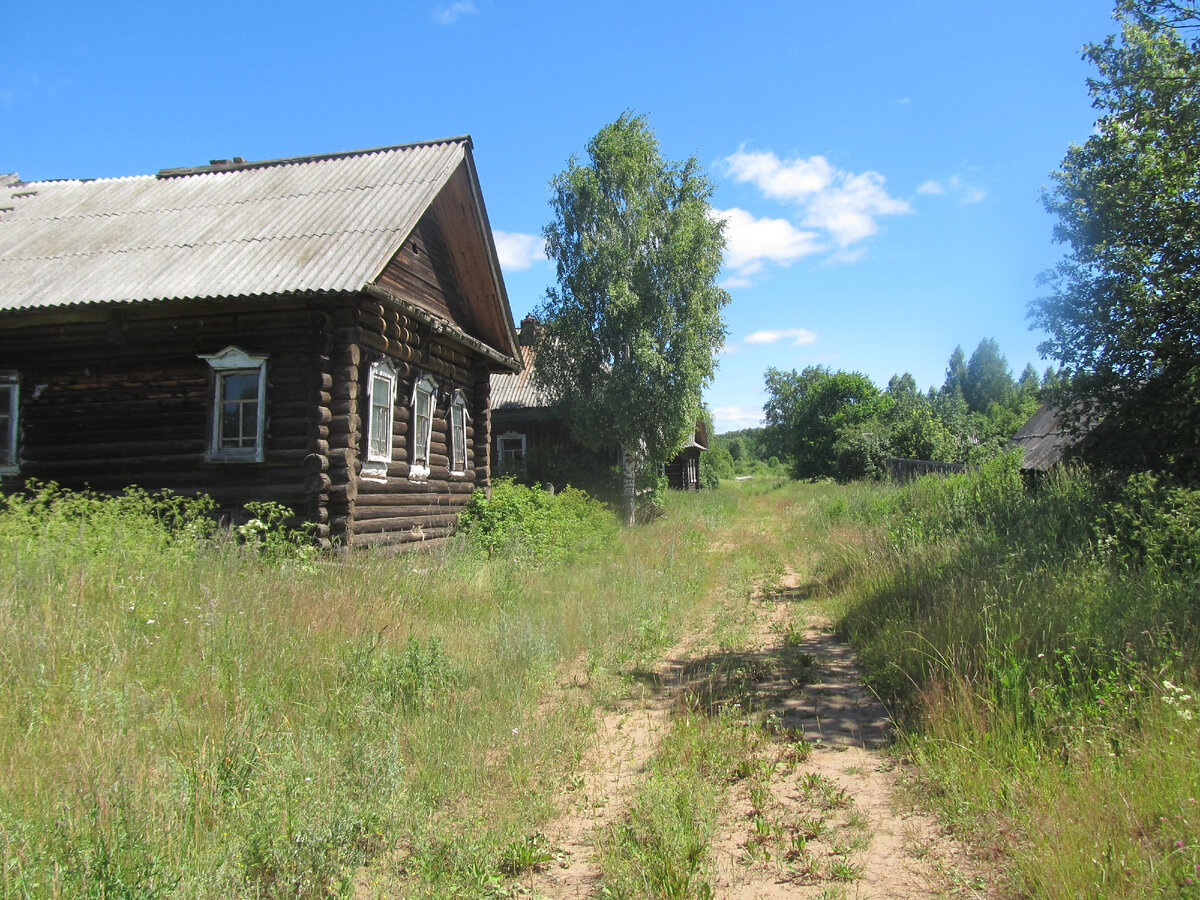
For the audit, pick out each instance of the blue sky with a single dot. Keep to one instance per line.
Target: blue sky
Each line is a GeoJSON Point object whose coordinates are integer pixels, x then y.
{"type": "Point", "coordinates": [880, 163]}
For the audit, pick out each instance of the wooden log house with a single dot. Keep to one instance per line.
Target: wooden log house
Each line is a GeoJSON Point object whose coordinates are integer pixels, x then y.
{"type": "Point", "coordinates": [319, 331]}
{"type": "Point", "coordinates": [526, 425]}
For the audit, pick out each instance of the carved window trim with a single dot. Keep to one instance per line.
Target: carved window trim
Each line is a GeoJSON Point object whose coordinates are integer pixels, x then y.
{"type": "Point", "coordinates": [382, 384]}
{"type": "Point", "coordinates": [424, 405]}
{"type": "Point", "coordinates": [234, 366]}
{"type": "Point", "coordinates": [10, 422]}
{"type": "Point", "coordinates": [459, 417]}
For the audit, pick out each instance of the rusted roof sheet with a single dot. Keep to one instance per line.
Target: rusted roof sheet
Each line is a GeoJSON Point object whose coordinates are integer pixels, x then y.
{"type": "Point", "coordinates": [319, 223]}
{"type": "Point", "coordinates": [1045, 438]}
{"type": "Point", "coordinates": [517, 391]}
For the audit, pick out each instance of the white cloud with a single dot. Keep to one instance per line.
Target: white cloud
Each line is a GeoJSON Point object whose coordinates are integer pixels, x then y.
{"type": "Point", "coordinates": [792, 179]}
{"type": "Point", "coordinates": [849, 209]}
{"type": "Point", "coordinates": [836, 209]}
{"type": "Point", "coordinates": [735, 418]}
{"type": "Point", "coordinates": [751, 242]}
{"type": "Point", "coordinates": [518, 251]}
{"type": "Point", "coordinates": [798, 336]}
{"type": "Point", "coordinates": [963, 191]}
{"type": "Point", "coordinates": [449, 13]}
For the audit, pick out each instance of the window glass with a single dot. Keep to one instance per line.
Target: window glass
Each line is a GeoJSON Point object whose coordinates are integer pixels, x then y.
{"type": "Point", "coordinates": [458, 434]}
{"type": "Point", "coordinates": [423, 394]}
{"type": "Point", "coordinates": [382, 393]}
{"type": "Point", "coordinates": [238, 393]}
{"type": "Point", "coordinates": [511, 450]}
{"type": "Point", "coordinates": [8, 425]}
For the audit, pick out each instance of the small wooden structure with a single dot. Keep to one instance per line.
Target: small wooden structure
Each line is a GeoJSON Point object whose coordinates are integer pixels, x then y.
{"type": "Point", "coordinates": [319, 331]}
{"type": "Point", "coordinates": [1046, 439]}
{"type": "Point", "coordinates": [902, 470]}
{"type": "Point", "coordinates": [683, 472]}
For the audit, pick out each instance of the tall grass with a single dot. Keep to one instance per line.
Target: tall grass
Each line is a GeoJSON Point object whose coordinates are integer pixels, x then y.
{"type": "Point", "coordinates": [192, 713]}
{"type": "Point", "coordinates": [1042, 647]}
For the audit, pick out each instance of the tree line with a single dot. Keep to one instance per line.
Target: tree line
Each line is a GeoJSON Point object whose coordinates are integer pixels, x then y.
{"type": "Point", "coordinates": [833, 423]}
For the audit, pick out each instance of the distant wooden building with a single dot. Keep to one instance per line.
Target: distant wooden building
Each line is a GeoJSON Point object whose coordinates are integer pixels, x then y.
{"type": "Point", "coordinates": [1045, 440]}
{"type": "Point", "coordinates": [319, 331]}
{"type": "Point", "coordinates": [527, 428]}
{"type": "Point", "coordinates": [683, 472]}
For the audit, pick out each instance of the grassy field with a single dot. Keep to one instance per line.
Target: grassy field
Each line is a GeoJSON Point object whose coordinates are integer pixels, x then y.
{"type": "Point", "coordinates": [222, 716]}
{"type": "Point", "coordinates": [1042, 649]}
{"type": "Point", "coordinates": [191, 714]}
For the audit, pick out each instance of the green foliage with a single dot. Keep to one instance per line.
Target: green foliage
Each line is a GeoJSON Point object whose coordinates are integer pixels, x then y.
{"type": "Point", "coordinates": [520, 521]}
{"type": "Point", "coordinates": [631, 331]}
{"type": "Point", "coordinates": [1121, 313]}
{"type": "Point", "coordinates": [716, 464]}
{"type": "Point", "coordinates": [813, 408]}
{"type": "Point", "coordinates": [405, 681]}
{"type": "Point", "coordinates": [1152, 523]}
{"type": "Point", "coordinates": [131, 526]}
{"type": "Point", "coordinates": [988, 378]}
{"type": "Point", "coordinates": [837, 424]}
{"type": "Point", "coordinates": [1038, 644]}
{"type": "Point", "coordinates": [661, 849]}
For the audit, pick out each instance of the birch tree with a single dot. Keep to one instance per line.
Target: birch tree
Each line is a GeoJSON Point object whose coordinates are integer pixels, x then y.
{"type": "Point", "coordinates": [630, 333]}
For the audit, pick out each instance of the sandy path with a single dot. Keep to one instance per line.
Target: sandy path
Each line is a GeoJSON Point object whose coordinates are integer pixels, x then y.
{"type": "Point", "coordinates": [824, 821]}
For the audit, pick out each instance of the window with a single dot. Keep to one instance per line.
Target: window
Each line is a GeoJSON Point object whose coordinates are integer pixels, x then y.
{"type": "Point", "coordinates": [510, 452]}
{"type": "Point", "coordinates": [381, 400]}
{"type": "Point", "coordinates": [458, 434]}
{"type": "Point", "coordinates": [9, 421]}
{"type": "Point", "coordinates": [424, 392]}
{"type": "Point", "coordinates": [239, 415]}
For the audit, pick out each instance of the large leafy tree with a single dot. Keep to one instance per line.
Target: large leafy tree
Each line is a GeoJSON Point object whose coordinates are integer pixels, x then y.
{"type": "Point", "coordinates": [810, 410]}
{"type": "Point", "coordinates": [988, 379]}
{"type": "Point", "coordinates": [1123, 314]}
{"type": "Point", "coordinates": [631, 331]}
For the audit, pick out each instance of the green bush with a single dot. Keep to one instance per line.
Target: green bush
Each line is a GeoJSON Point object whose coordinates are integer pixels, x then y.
{"type": "Point", "coordinates": [1151, 522]}
{"type": "Point", "coordinates": [716, 465]}
{"type": "Point", "coordinates": [520, 521]}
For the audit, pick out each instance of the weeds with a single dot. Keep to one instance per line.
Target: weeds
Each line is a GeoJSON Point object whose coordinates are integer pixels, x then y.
{"type": "Point", "coordinates": [1039, 645]}
{"type": "Point", "coordinates": [187, 711]}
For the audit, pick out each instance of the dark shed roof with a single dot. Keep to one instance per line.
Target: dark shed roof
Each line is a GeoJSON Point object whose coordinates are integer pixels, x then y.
{"type": "Point", "coordinates": [1045, 438]}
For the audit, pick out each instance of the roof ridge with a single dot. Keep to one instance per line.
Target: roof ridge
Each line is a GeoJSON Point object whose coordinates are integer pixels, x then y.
{"type": "Point", "coordinates": [238, 164]}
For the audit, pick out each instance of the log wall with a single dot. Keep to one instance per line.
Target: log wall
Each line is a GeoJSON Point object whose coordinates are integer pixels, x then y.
{"type": "Point", "coordinates": [114, 396]}
{"type": "Point", "coordinates": [362, 511]}
{"type": "Point", "coordinates": [117, 396]}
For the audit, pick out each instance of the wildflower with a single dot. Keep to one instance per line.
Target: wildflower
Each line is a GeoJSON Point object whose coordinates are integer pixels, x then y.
{"type": "Point", "coordinates": [514, 731]}
{"type": "Point", "coordinates": [1179, 845]}
{"type": "Point", "coordinates": [149, 621]}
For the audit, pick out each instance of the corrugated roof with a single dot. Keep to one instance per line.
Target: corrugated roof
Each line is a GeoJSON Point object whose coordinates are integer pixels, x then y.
{"type": "Point", "coordinates": [517, 391]}
{"type": "Point", "coordinates": [325, 223]}
{"type": "Point", "coordinates": [1045, 438]}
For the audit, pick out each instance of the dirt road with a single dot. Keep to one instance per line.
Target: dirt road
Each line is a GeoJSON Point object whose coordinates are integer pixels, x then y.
{"type": "Point", "coordinates": [827, 821]}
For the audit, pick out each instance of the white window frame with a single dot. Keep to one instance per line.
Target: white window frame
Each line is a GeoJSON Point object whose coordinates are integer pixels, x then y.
{"type": "Point", "coordinates": [422, 435]}
{"type": "Point", "coordinates": [9, 438]}
{"type": "Point", "coordinates": [385, 371]}
{"type": "Point", "coordinates": [459, 417]}
{"type": "Point", "coordinates": [500, 451]}
{"type": "Point", "coordinates": [236, 361]}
